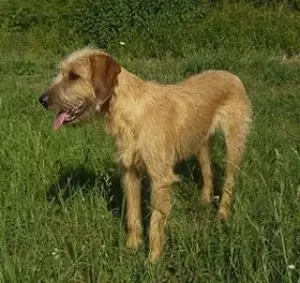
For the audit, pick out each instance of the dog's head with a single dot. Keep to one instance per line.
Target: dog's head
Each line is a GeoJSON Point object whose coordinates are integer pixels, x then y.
{"type": "Point", "coordinates": [84, 85]}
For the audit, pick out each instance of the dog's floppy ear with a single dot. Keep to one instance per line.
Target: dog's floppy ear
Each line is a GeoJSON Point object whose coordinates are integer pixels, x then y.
{"type": "Point", "coordinates": [104, 72]}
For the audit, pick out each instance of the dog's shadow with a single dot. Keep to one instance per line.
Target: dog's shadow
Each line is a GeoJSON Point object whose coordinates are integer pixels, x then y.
{"type": "Point", "coordinates": [80, 179]}
{"type": "Point", "coordinates": [107, 184]}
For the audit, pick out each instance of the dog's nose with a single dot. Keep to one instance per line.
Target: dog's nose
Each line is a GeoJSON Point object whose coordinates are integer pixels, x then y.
{"type": "Point", "coordinates": [44, 100]}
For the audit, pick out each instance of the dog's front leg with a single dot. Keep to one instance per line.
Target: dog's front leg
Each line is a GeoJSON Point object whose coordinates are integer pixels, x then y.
{"type": "Point", "coordinates": [161, 205]}
{"type": "Point", "coordinates": [132, 191]}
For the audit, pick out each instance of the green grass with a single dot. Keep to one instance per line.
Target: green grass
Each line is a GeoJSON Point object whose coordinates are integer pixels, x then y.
{"type": "Point", "coordinates": [62, 214]}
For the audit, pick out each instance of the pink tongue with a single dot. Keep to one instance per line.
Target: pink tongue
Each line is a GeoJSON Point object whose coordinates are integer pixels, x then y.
{"type": "Point", "coordinates": [60, 118]}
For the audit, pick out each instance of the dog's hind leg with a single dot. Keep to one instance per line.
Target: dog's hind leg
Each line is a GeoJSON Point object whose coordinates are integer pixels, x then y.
{"type": "Point", "coordinates": [204, 159]}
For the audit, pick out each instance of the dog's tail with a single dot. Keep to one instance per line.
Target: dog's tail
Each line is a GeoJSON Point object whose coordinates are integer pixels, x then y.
{"type": "Point", "coordinates": [234, 119]}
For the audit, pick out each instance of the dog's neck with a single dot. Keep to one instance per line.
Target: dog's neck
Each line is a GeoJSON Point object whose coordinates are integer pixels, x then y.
{"type": "Point", "coordinates": [124, 105]}
{"type": "Point", "coordinates": [129, 84]}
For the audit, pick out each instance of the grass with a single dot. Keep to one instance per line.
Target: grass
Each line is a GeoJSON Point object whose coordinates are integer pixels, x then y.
{"type": "Point", "coordinates": [61, 213]}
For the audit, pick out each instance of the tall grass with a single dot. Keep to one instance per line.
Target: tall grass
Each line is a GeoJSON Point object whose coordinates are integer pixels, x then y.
{"type": "Point", "coordinates": [158, 28]}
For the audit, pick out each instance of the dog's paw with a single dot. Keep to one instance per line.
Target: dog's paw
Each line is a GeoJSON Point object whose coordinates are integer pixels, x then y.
{"type": "Point", "coordinates": [133, 241]}
{"type": "Point", "coordinates": [222, 215]}
{"type": "Point", "coordinates": [154, 256]}
{"type": "Point", "coordinates": [206, 199]}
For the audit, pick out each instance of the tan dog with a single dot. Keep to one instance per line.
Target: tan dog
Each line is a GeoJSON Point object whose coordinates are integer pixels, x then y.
{"type": "Point", "coordinates": [154, 126]}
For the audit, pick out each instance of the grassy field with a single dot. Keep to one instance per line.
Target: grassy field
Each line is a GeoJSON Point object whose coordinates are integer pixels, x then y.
{"type": "Point", "coordinates": [61, 213]}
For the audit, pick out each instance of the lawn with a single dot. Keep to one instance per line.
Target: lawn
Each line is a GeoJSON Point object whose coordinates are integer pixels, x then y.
{"type": "Point", "coordinates": [62, 214]}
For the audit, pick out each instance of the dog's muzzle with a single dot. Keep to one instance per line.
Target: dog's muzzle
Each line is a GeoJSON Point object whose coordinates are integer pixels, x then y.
{"type": "Point", "coordinates": [44, 100]}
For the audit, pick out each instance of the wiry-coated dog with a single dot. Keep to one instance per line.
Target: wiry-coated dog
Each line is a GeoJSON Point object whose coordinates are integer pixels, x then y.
{"type": "Point", "coordinates": [154, 126]}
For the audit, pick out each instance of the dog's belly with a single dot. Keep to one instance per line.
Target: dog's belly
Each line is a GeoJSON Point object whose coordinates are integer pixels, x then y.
{"type": "Point", "coordinates": [190, 145]}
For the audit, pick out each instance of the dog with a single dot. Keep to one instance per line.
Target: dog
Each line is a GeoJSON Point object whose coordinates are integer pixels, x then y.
{"type": "Point", "coordinates": [154, 126]}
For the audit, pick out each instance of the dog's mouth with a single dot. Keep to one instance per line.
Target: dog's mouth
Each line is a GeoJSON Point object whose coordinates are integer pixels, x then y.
{"type": "Point", "coordinates": [67, 116]}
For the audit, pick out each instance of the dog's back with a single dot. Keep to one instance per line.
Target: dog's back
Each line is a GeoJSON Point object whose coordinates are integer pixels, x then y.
{"type": "Point", "coordinates": [218, 98]}
{"type": "Point", "coordinates": [187, 113]}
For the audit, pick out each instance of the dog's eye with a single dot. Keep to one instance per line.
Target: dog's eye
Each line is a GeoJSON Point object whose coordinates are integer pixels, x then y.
{"type": "Point", "coordinates": [73, 76]}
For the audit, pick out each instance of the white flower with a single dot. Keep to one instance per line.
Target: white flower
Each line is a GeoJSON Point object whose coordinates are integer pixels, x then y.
{"type": "Point", "coordinates": [55, 254]}
{"type": "Point", "coordinates": [55, 251]}
{"type": "Point", "coordinates": [122, 43]}
{"type": "Point", "coordinates": [291, 267]}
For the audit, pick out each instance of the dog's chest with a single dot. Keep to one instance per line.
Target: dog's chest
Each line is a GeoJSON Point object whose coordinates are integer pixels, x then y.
{"type": "Point", "coordinates": [126, 143]}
